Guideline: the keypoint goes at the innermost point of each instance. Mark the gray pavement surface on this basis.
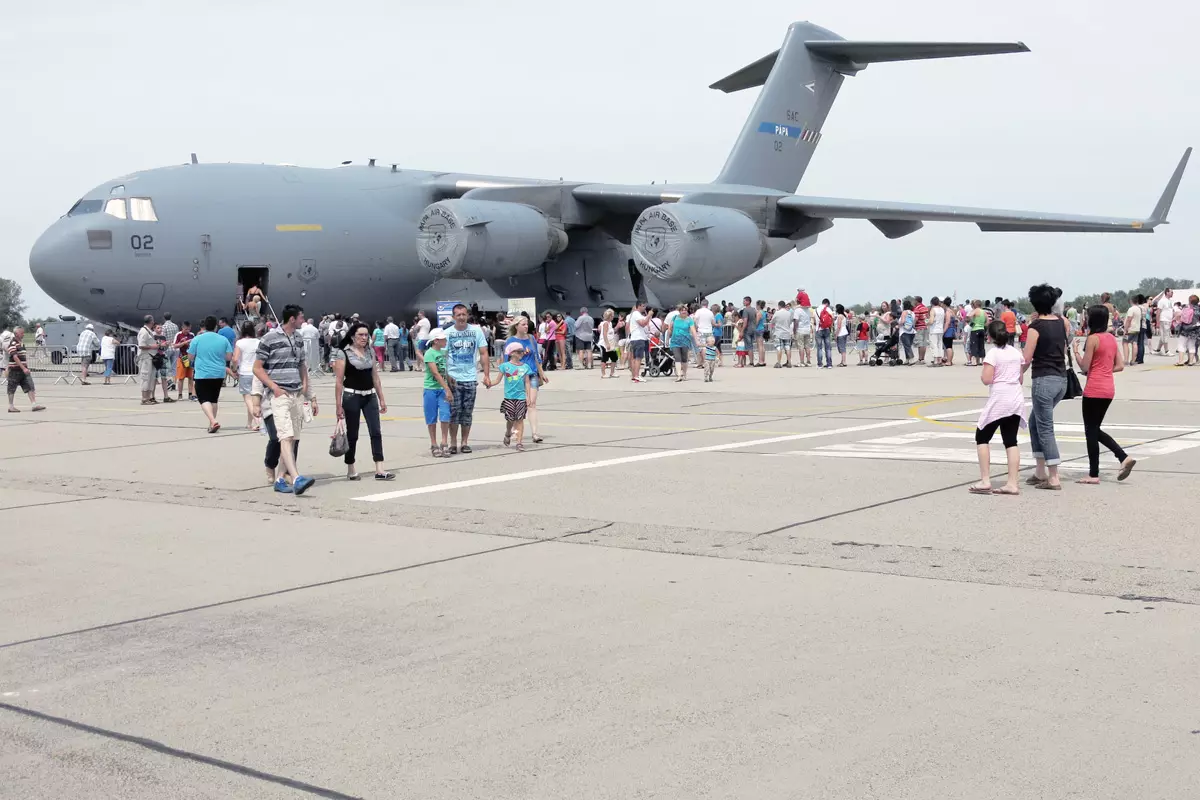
(772, 586)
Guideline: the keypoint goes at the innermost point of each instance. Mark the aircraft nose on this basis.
(50, 262)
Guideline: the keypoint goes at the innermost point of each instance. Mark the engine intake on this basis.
(485, 239)
(696, 244)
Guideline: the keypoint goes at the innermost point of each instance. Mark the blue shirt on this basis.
(531, 353)
(229, 333)
(514, 380)
(208, 354)
(461, 349)
(681, 332)
(570, 327)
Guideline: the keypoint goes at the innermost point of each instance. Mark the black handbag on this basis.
(1074, 389)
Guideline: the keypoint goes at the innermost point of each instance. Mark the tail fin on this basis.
(800, 81)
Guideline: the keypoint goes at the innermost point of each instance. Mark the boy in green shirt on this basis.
(437, 392)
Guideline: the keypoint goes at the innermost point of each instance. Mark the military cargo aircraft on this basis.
(376, 239)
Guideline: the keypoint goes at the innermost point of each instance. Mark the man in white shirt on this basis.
(1166, 315)
(87, 344)
(782, 326)
(704, 319)
(639, 340)
(420, 332)
(311, 336)
(802, 316)
(391, 341)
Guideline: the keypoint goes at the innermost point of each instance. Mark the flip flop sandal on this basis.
(1056, 487)
(466, 449)
(1034, 481)
(537, 440)
(1010, 493)
(435, 451)
(14, 411)
(520, 447)
(38, 408)
(454, 450)
(1126, 469)
(979, 490)
(507, 441)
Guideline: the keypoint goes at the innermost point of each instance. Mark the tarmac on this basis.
(775, 585)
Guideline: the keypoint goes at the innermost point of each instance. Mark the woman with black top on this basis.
(1046, 353)
(357, 390)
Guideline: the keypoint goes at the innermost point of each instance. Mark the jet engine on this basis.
(485, 239)
(695, 244)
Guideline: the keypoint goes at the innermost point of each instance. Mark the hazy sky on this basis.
(1092, 121)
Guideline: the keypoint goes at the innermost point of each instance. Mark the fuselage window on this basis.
(141, 210)
(115, 208)
(85, 207)
(118, 189)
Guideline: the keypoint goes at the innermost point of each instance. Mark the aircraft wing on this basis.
(898, 219)
(892, 218)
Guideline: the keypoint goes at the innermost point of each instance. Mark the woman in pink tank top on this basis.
(1100, 358)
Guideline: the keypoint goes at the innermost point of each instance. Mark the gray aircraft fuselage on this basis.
(330, 239)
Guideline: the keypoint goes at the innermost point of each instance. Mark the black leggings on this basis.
(1008, 431)
(1094, 409)
(368, 405)
(271, 460)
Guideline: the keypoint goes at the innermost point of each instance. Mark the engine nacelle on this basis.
(696, 244)
(485, 239)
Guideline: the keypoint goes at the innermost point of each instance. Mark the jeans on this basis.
(825, 346)
(1094, 409)
(396, 354)
(271, 460)
(1047, 392)
(368, 406)
(1141, 345)
(906, 340)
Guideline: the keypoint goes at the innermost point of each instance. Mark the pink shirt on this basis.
(1100, 371)
(1006, 397)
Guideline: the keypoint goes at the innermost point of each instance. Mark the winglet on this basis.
(1159, 215)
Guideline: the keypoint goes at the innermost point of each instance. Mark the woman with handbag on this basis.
(358, 391)
(1046, 353)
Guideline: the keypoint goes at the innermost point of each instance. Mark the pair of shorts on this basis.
(1132, 337)
(804, 341)
(922, 339)
(1008, 431)
(245, 385)
(862, 345)
(637, 348)
(680, 354)
(947, 342)
(181, 372)
(437, 407)
(462, 408)
(18, 379)
(513, 410)
(783, 345)
(608, 356)
(841, 343)
(288, 412)
(534, 381)
(208, 390)
(582, 345)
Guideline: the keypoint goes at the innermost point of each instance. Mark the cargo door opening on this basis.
(252, 293)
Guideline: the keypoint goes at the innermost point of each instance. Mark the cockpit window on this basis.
(118, 189)
(115, 208)
(85, 207)
(141, 209)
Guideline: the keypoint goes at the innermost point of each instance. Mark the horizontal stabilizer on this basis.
(875, 52)
(854, 55)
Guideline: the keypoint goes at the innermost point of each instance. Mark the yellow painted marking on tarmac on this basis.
(915, 412)
(297, 227)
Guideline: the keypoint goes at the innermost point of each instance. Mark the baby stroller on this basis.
(659, 361)
(887, 350)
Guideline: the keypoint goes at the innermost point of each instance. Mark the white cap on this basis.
(435, 334)
(90, 327)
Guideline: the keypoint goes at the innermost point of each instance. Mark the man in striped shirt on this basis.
(281, 367)
(170, 331)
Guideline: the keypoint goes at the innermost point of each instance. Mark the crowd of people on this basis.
(269, 360)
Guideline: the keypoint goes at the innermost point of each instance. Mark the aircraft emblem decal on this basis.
(308, 270)
(656, 241)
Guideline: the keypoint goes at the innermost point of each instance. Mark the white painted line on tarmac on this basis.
(612, 462)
